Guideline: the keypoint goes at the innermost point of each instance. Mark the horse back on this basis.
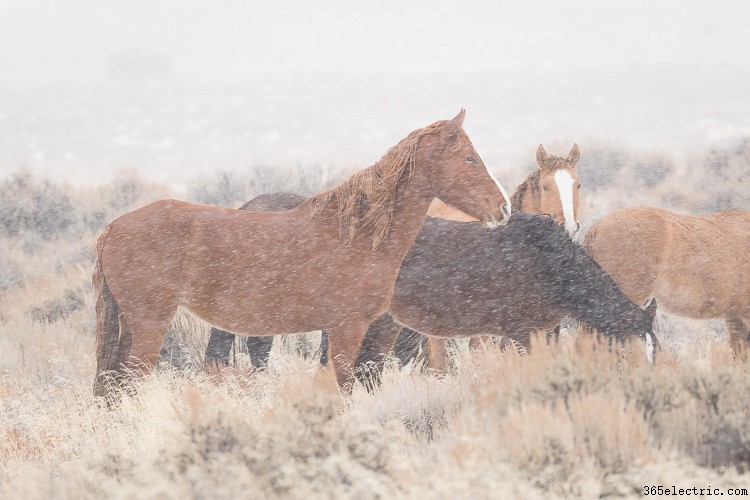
(215, 261)
(462, 279)
(694, 265)
(630, 246)
(708, 268)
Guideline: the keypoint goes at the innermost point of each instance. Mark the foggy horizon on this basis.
(75, 39)
(177, 89)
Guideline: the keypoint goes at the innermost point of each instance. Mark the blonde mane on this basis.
(366, 200)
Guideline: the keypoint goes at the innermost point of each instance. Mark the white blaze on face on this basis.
(564, 182)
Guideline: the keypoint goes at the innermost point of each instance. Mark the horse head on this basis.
(556, 192)
(459, 177)
(641, 326)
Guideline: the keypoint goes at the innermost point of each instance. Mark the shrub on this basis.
(233, 188)
(42, 207)
(60, 307)
(11, 275)
(599, 167)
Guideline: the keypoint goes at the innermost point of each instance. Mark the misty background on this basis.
(182, 89)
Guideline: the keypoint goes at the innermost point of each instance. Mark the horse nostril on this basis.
(578, 226)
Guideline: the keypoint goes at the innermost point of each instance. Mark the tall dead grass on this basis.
(554, 423)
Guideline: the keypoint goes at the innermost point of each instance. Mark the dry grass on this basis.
(555, 423)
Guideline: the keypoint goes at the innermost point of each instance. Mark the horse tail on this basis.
(110, 333)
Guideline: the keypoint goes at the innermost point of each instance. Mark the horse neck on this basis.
(413, 199)
(526, 198)
(594, 298)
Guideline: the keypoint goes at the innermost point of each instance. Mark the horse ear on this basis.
(541, 156)
(454, 126)
(651, 310)
(574, 155)
(459, 118)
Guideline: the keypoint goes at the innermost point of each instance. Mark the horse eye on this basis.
(544, 188)
(470, 159)
(579, 185)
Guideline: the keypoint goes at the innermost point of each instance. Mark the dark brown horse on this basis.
(696, 266)
(459, 280)
(329, 263)
(552, 189)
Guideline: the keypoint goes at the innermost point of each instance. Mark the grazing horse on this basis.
(696, 266)
(553, 189)
(329, 263)
(460, 281)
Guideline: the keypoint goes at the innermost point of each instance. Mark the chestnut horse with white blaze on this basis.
(330, 263)
(695, 266)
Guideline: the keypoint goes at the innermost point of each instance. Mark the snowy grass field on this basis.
(554, 423)
(108, 105)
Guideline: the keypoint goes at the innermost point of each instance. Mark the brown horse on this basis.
(330, 263)
(695, 266)
(552, 189)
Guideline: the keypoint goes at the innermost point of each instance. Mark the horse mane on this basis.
(529, 186)
(367, 199)
(541, 231)
(540, 228)
(546, 235)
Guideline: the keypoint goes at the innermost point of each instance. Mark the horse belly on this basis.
(695, 294)
(443, 324)
(687, 306)
(285, 298)
(257, 306)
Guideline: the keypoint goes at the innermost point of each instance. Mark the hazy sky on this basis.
(224, 39)
(336, 83)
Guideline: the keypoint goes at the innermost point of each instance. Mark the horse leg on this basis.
(324, 348)
(378, 342)
(587, 338)
(437, 355)
(219, 346)
(479, 341)
(553, 337)
(146, 342)
(737, 331)
(259, 350)
(476, 343)
(345, 341)
(408, 345)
